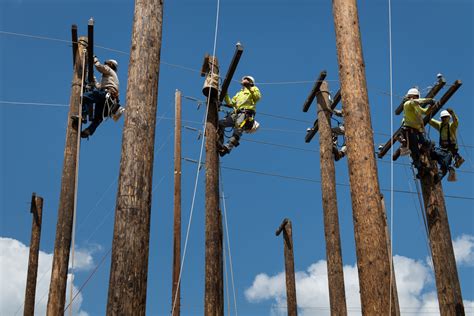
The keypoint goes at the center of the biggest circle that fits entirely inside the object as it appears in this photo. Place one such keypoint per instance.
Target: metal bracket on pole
(313, 130)
(230, 72)
(90, 51)
(432, 112)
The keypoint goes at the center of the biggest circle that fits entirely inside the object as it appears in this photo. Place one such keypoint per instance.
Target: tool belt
(249, 118)
(411, 130)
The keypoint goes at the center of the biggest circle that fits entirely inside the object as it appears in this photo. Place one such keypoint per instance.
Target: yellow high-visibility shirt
(443, 129)
(246, 98)
(413, 113)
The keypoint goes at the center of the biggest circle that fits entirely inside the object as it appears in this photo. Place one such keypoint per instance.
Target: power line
(276, 175)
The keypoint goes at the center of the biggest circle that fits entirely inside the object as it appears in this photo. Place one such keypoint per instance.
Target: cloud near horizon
(13, 270)
(415, 286)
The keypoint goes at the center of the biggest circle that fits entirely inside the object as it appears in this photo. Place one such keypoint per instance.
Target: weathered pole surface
(289, 266)
(373, 259)
(337, 296)
(62, 244)
(175, 293)
(214, 289)
(393, 282)
(30, 292)
(444, 262)
(130, 245)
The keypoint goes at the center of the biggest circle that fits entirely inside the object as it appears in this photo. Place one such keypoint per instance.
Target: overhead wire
(263, 173)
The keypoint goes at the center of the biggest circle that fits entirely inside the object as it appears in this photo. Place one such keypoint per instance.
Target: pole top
(282, 226)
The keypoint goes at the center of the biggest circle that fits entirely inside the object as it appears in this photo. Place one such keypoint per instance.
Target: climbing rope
(198, 165)
(78, 147)
(227, 238)
(422, 212)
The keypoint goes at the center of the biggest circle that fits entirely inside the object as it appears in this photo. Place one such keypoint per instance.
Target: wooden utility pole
(30, 292)
(289, 266)
(337, 295)
(62, 244)
(175, 293)
(393, 281)
(130, 246)
(214, 289)
(373, 259)
(444, 262)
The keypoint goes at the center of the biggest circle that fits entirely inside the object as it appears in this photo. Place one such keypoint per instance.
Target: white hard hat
(249, 78)
(113, 62)
(413, 91)
(444, 113)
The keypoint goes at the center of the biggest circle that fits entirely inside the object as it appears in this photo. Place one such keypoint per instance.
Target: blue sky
(286, 45)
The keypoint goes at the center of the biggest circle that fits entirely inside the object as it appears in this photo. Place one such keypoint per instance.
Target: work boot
(224, 150)
(452, 175)
(458, 162)
(86, 133)
(117, 114)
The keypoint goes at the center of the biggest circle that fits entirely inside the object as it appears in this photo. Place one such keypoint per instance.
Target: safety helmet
(252, 80)
(113, 62)
(413, 91)
(444, 113)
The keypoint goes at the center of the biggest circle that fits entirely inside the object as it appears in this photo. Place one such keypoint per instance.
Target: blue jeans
(443, 157)
(90, 98)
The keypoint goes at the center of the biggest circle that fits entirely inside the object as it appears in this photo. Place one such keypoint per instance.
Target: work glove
(96, 60)
(450, 110)
(432, 101)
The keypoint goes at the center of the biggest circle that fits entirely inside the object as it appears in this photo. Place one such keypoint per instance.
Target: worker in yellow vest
(243, 116)
(448, 140)
(413, 126)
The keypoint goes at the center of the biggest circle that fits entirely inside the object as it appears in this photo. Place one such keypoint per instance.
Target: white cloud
(415, 286)
(13, 269)
(464, 250)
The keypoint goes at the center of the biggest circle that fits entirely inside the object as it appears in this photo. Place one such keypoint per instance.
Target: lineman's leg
(415, 151)
(98, 115)
(224, 123)
(237, 120)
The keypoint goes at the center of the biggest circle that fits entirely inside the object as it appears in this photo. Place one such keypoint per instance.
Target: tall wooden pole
(130, 246)
(30, 292)
(175, 293)
(444, 262)
(373, 259)
(214, 289)
(289, 266)
(393, 282)
(62, 244)
(337, 295)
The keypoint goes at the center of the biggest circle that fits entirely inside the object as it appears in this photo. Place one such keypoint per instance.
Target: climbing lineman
(242, 118)
(336, 132)
(448, 140)
(102, 99)
(414, 128)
